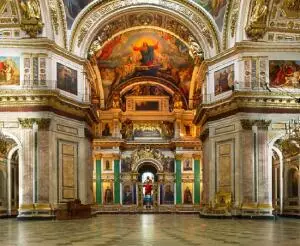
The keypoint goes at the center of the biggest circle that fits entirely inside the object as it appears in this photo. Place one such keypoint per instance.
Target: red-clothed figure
(148, 186)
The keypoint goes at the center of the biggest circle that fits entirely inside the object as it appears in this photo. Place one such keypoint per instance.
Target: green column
(117, 181)
(98, 182)
(197, 181)
(178, 182)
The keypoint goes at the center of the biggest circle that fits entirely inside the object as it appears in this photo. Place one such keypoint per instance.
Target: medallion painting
(224, 79)
(285, 74)
(73, 8)
(66, 79)
(9, 70)
(145, 53)
(216, 8)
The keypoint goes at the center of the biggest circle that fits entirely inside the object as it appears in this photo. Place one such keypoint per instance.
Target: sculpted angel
(31, 9)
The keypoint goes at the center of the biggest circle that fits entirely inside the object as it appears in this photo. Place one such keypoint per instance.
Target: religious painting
(107, 165)
(168, 194)
(127, 194)
(126, 165)
(224, 79)
(147, 106)
(169, 165)
(147, 129)
(67, 79)
(285, 74)
(73, 8)
(187, 193)
(216, 8)
(187, 165)
(145, 52)
(106, 129)
(108, 194)
(9, 70)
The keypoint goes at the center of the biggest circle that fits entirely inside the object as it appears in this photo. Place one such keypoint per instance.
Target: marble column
(197, 195)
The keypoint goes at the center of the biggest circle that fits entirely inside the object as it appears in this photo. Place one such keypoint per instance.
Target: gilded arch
(191, 16)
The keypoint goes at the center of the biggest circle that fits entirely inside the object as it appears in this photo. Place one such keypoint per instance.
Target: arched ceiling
(216, 8)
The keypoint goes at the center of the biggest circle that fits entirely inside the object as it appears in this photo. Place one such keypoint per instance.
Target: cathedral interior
(152, 108)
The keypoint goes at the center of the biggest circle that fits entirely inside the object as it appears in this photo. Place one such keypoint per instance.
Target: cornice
(41, 43)
(42, 100)
(250, 46)
(249, 102)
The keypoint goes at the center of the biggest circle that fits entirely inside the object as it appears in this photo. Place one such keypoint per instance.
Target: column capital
(179, 156)
(197, 156)
(28, 123)
(98, 156)
(261, 124)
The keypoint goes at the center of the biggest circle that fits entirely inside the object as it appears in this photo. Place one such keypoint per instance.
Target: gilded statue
(257, 23)
(195, 49)
(177, 101)
(31, 17)
(116, 101)
(260, 10)
(31, 9)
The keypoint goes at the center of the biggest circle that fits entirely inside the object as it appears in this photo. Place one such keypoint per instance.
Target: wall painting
(67, 79)
(224, 80)
(285, 74)
(9, 70)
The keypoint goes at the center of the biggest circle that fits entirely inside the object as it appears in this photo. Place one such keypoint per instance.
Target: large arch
(102, 15)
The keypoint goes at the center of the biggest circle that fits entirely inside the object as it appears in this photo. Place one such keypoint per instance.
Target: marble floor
(147, 230)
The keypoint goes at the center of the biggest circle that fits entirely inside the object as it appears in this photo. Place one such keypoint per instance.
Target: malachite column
(117, 181)
(178, 182)
(197, 181)
(98, 181)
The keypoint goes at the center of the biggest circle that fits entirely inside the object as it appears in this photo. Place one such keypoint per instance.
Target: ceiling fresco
(144, 53)
(216, 8)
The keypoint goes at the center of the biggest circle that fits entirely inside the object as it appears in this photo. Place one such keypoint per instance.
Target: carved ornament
(28, 123)
(261, 124)
(234, 17)
(31, 21)
(257, 24)
(54, 15)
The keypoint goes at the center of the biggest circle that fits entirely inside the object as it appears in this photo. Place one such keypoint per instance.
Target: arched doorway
(147, 187)
(9, 176)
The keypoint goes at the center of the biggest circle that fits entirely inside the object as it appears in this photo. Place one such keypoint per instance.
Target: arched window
(293, 180)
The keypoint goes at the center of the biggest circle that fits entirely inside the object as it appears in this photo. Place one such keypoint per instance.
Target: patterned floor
(147, 230)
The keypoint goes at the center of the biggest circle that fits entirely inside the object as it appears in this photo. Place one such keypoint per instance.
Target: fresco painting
(9, 70)
(73, 8)
(145, 53)
(224, 80)
(216, 8)
(285, 74)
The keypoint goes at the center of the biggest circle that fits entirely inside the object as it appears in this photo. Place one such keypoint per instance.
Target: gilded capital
(28, 123)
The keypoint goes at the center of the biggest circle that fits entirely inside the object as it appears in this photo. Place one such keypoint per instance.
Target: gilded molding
(54, 15)
(234, 17)
(27, 123)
